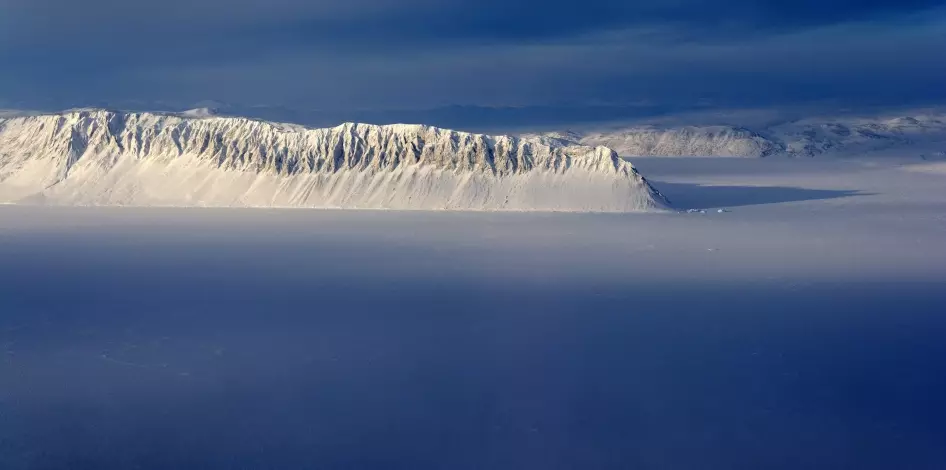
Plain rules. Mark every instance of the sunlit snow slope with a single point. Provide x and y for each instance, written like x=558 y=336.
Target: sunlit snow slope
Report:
x=97 y=157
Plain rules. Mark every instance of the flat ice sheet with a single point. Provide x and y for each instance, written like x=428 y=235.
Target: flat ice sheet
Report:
x=801 y=329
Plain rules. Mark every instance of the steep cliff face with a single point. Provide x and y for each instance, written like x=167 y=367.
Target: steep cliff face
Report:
x=105 y=157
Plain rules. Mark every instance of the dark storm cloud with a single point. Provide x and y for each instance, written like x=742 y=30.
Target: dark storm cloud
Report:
x=396 y=21
x=491 y=21
x=380 y=54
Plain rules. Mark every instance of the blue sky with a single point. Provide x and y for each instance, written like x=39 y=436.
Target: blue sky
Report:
x=402 y=56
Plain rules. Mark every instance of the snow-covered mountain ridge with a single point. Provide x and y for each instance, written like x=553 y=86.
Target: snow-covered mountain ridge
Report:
x=919 y=135
x=107 y=157
x=682 y=141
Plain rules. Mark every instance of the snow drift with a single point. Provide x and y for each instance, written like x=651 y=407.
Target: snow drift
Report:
x=98 y=157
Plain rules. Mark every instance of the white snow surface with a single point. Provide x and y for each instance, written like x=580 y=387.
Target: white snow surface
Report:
x=918 y=135
x=100 y=157
x=706 y=334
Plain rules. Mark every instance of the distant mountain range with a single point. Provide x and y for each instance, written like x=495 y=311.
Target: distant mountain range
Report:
x=917 y=136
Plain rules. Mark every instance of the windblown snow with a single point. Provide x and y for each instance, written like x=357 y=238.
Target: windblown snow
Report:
x=98 y=157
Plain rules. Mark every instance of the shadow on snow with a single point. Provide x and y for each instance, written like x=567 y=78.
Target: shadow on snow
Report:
x=695 y=196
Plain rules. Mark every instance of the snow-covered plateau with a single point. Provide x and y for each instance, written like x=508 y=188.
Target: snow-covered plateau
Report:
x=99 y=157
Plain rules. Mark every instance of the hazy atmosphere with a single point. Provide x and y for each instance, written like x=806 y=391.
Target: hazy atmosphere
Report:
x=491 y=235
x=442 y=62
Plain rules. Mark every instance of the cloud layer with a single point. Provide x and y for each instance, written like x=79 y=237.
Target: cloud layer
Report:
x=416 y=54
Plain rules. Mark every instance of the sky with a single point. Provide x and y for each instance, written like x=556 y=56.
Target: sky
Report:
x=440 y=59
